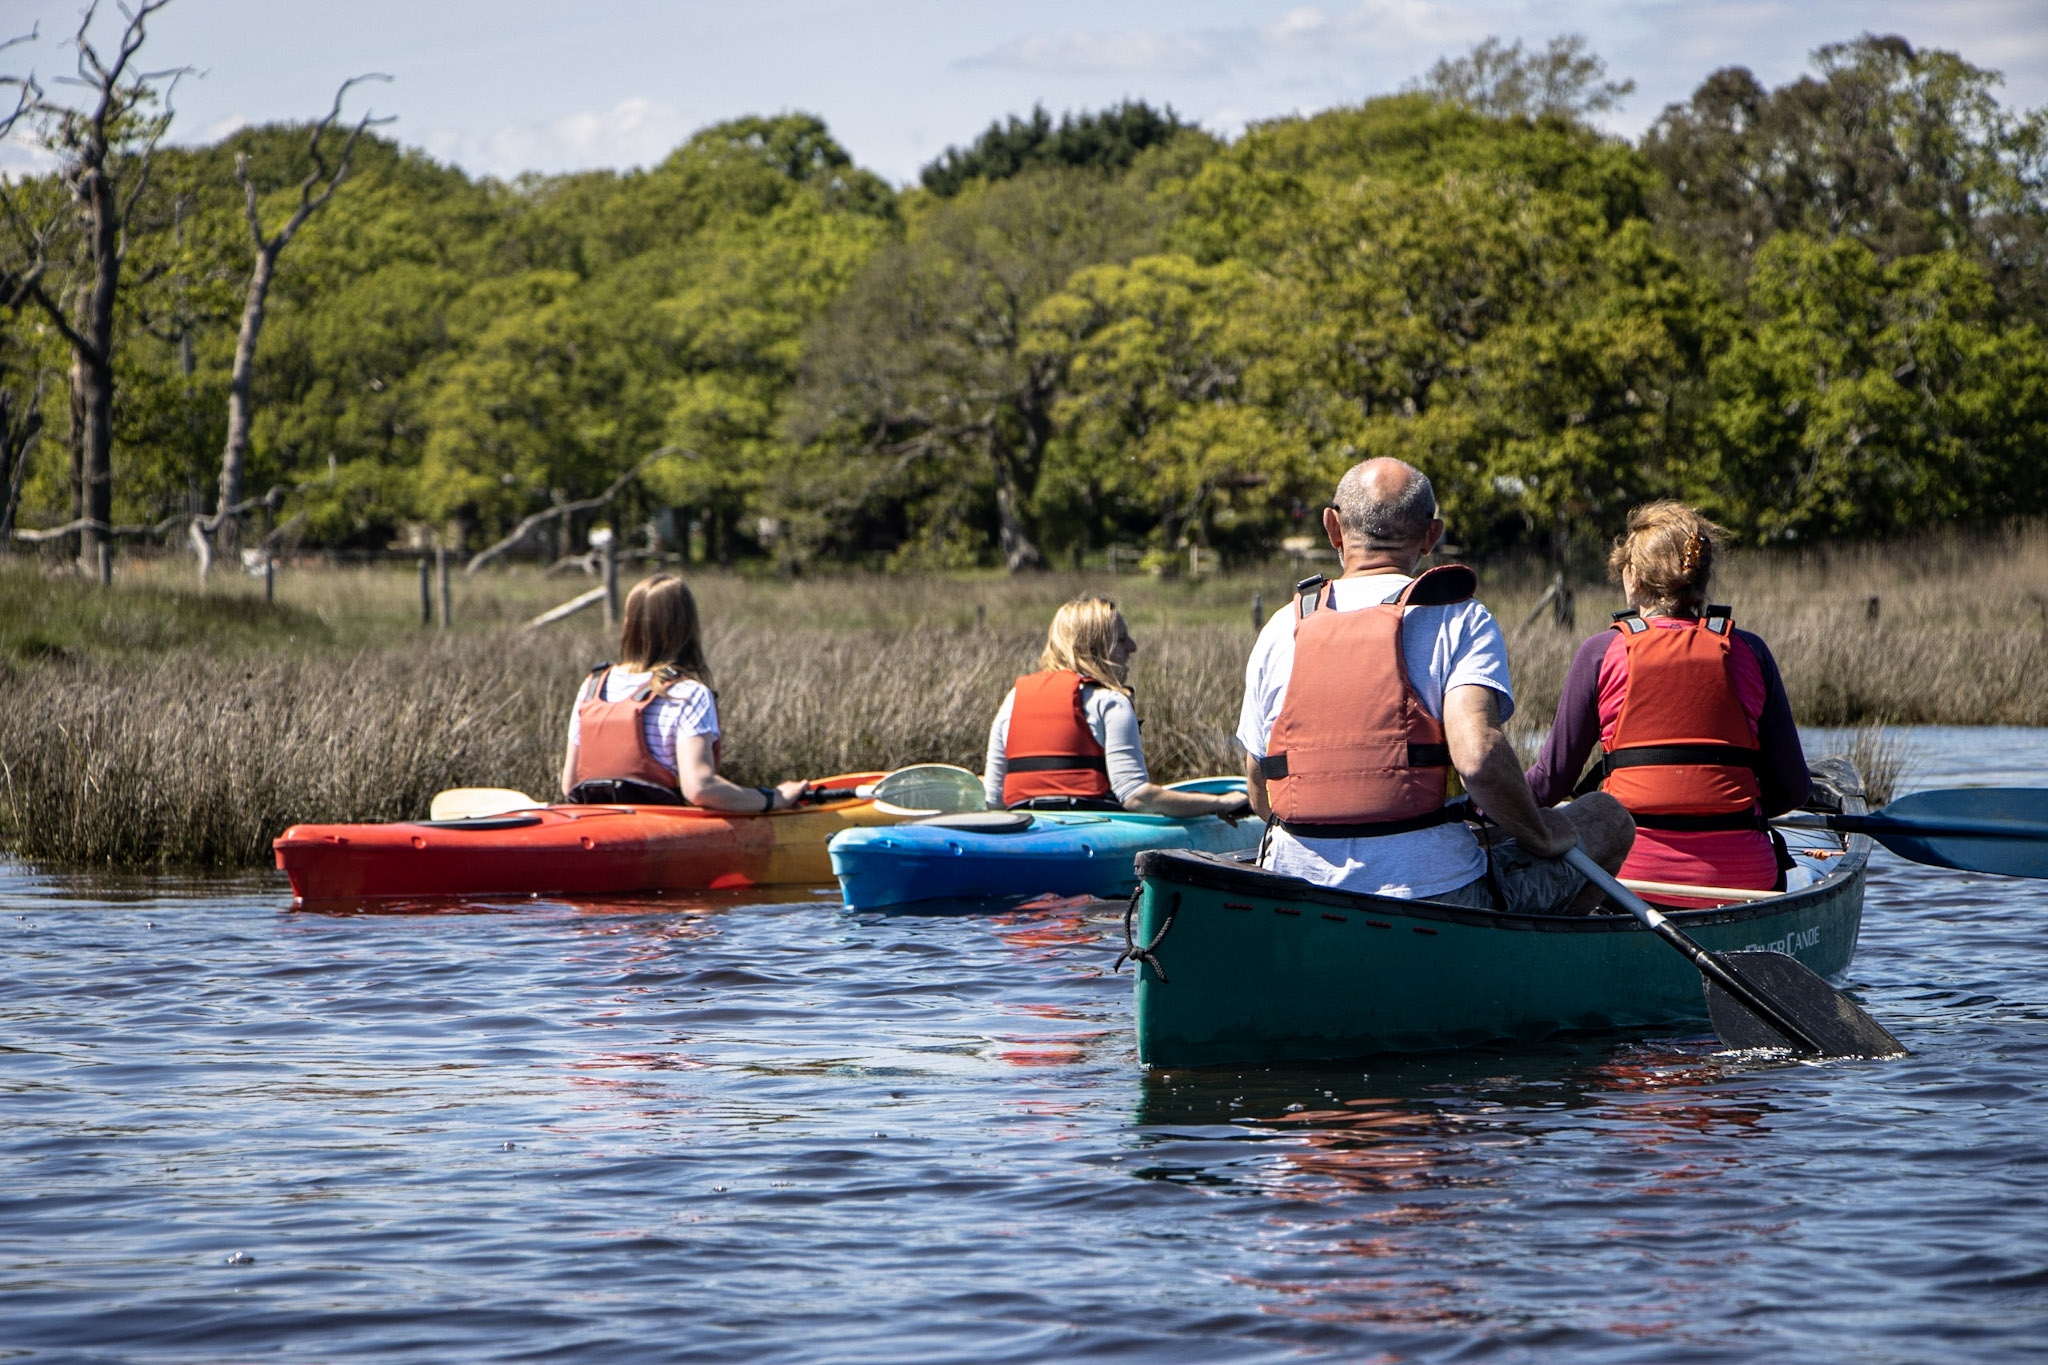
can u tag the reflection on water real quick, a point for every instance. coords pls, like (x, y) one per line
(721, 1128)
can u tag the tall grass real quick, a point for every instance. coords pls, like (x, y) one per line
(154, 727)
(200, 761)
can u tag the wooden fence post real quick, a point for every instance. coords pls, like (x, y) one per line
(426, 596)
(441, 573)
(611, 582)
(1258, 610)
(269, 581)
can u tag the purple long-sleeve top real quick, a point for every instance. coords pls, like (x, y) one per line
(1783, 777)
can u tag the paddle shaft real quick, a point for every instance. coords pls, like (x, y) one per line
(1710, 966)
(1880, 825)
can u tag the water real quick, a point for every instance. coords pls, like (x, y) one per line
(727, 1131)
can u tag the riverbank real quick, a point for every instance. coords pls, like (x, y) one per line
(154, 726)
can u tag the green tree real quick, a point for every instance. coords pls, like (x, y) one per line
(922, 371)
(1243, 202)
(1110, 140)
(1155, 424)
(1905, 150)
(1869, 398)
(1565, 80)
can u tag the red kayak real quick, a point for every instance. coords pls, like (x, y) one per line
(573, 850)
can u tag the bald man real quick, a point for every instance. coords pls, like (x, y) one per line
(1351, 775)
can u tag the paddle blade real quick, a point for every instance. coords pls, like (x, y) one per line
(2012, 843)
(931, 789)
(467, 803)
(1830, 1018)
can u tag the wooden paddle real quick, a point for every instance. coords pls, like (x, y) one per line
(1759, 999)
(922, 789)
(2001, 830)
(470, 803)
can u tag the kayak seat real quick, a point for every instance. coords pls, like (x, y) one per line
(982, 821)
(482, 822)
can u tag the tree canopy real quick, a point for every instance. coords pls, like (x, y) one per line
(1815, 311)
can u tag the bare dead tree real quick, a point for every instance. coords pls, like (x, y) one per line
(314, 192)
(525, 529)
(104, 149)
(21, 422)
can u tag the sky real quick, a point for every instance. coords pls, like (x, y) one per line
(509, 86)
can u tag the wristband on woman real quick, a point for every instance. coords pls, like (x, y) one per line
(767, 795)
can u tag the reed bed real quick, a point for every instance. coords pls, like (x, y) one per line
(155, 727)
(201, 761)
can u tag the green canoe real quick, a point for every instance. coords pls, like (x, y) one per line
(1247, 966)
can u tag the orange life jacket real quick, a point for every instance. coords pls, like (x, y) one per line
(612, 744)
(1684, 754)
(1353, 753)
(1050, 750)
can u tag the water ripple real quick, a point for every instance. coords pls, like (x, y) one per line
(730, 1130)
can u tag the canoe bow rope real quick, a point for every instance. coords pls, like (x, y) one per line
(1132, 952)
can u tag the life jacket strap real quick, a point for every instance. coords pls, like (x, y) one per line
(1055, 763)
(1673, 755)
(1751, 819)
(1308, 595)
(1630, 620)
(1373, 829)
(1274, 766)
(623, 791)
(1066, 803)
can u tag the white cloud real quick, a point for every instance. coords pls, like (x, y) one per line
(1087, 52)
(220, 128)
(20, 160)
(1364, 35)
(635, 132)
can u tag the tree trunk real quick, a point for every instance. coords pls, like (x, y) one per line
(76, 380)
(94, 365)
(234, 456)
(18, 432)
(1013, 534)
(97, 474)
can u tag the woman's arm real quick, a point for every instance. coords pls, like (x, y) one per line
(569, 767)
(1784, 780)
(995, 764)
(1124, 756)
(1576, 729)
(697, 777)
(1152, 799)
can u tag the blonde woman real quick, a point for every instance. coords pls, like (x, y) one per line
(645, 730)
(1066, 737)
(1691, 716)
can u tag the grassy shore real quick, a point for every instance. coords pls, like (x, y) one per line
(154, 726)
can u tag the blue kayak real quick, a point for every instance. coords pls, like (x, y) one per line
(987, 855)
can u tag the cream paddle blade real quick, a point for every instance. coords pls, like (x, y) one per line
(468, 803)
(930, 789)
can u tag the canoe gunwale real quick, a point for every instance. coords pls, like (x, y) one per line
(1216, 872)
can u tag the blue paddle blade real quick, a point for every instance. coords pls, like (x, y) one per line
(2001, 830)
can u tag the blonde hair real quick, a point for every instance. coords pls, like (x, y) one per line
(1669, 549)
(1082, 634)
(660, 634)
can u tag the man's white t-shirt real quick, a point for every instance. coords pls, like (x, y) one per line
(1111, 718)
(688, 709)
(1444, 647)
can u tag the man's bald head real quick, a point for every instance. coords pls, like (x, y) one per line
(1385, 504)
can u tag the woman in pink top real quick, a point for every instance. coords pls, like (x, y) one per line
(1690, 713)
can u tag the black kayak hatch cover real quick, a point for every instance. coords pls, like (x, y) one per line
(982, 821)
